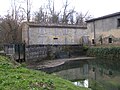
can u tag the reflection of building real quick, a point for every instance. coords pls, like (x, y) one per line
(105, 30)
(74, 74)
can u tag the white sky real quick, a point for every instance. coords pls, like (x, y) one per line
(96, 8)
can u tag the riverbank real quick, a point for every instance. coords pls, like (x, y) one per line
(15, 77)
(110, 52)
(54, 63)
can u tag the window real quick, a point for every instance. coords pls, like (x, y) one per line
(118, 22)
(55, 38)
(110, 40)
(93, 41)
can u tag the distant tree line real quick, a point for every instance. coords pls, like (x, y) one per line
(64, 16)
(10, 24)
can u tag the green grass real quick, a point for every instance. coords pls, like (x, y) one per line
(15, 77)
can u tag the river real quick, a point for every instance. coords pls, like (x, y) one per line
(96, 74)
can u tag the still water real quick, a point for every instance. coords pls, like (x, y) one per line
(97, 74)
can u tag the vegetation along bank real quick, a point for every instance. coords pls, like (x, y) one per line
(104, 52)
(15, 77)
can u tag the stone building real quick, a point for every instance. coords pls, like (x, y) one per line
(51, 40)
(105, 29)
(34, 34)
(102, 30)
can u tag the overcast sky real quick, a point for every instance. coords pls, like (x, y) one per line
(96, 8)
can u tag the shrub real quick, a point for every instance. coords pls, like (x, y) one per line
(104, 52)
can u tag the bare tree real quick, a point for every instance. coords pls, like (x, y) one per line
(10, 24)
(54, 16)
(41, 16)
(71, 19)
(66, 14)
(28, 10)
(47, 15)
(81, 18)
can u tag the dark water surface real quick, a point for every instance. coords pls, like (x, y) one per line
(97, 74)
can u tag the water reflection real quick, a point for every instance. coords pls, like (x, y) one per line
(97, 74)
(74, 73)
(104, 74)
(82, 83)
(78, 74)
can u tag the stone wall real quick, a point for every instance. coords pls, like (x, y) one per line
(41, 52)
(103, 25)
(36, 52)
(29, 53)
(55, 36)
(104, 29)
(52, 34)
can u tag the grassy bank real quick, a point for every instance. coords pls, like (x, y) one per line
(15, 77)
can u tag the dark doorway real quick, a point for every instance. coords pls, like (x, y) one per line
(93, 41)
(110, 40)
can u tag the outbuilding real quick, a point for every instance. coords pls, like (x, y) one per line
(105, 29)
(33, 34)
